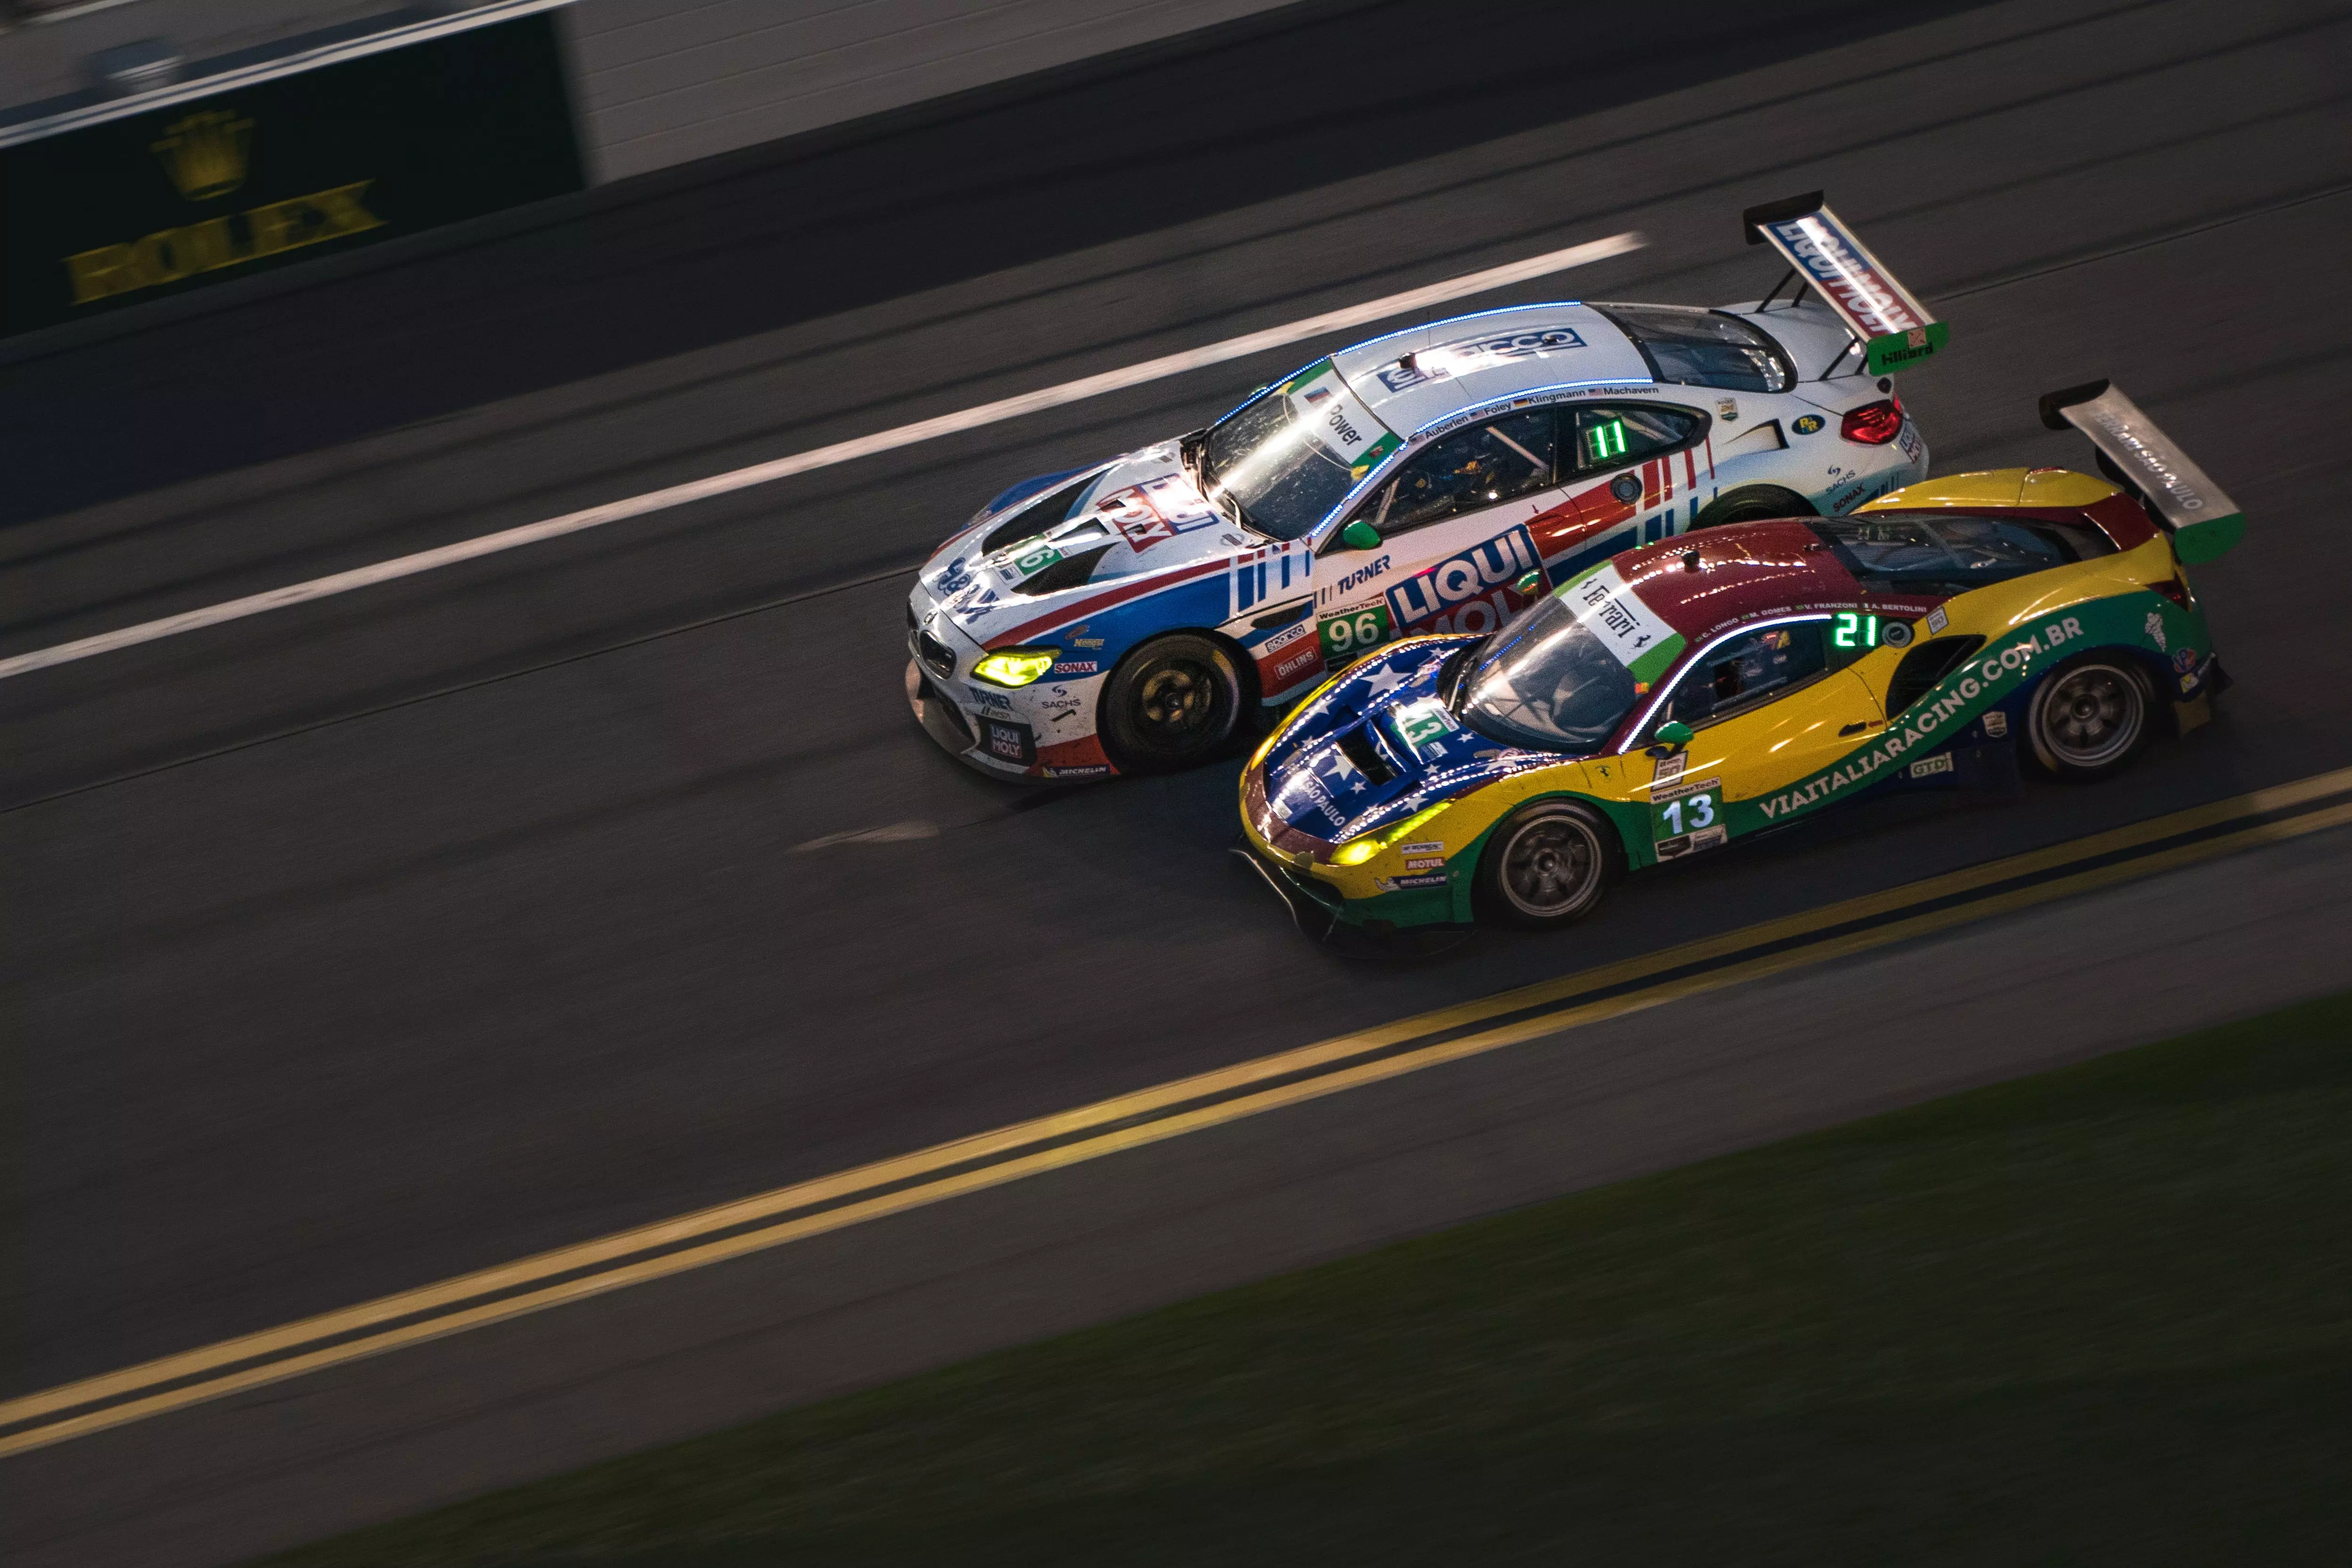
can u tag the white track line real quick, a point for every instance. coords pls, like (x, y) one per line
(824, 457)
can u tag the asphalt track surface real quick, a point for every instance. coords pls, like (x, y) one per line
(408, 932)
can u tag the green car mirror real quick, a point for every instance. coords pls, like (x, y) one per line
(1360, 535)
(1675, 734)
(1530, 585)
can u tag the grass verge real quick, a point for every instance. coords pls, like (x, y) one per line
(2102, 1315)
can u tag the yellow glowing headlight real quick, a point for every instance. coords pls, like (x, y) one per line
(1015, 665)
(1356, 851)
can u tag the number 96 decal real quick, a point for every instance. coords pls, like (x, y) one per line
(1690, 820)
(1344, 636)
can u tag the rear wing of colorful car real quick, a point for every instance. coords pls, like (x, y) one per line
(2203, 521)
(1886, 318)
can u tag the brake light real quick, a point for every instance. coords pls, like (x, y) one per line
(1873, 423)
(2177, 589)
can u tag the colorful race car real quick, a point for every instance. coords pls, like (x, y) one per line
(1691, 692)
(1129, 615)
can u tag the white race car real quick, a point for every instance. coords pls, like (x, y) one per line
(1129, 615)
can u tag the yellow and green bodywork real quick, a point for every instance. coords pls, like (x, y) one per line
(1826, 741)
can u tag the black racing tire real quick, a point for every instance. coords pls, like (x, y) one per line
(2090, 717)
(1548, 865)
(1752, 503)
(1170, 703)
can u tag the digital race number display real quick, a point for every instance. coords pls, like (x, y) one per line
(1852, 630)
(1605, 440)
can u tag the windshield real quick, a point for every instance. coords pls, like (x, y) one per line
(1549, 682)
(1292, 454)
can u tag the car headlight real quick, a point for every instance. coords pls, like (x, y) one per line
(1015, 665)
(1356, 851)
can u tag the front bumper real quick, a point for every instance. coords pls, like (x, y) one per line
(1324, 899)
(997, 748)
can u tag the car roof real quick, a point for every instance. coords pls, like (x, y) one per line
(1470, 361)
(1743, 570)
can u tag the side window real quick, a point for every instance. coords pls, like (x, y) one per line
(1745, 670)
(1468, 469)
(1702, 348)
(1991, 544)
(1615, 435)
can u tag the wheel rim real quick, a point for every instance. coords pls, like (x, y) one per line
(2091, 716)
(1176, 704)
(1552, 866)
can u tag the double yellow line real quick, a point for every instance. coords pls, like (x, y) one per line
(1167, 1111)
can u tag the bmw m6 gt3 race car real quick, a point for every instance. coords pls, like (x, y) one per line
(1693, 692)
(1127, 616)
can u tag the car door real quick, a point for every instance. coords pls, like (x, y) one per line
(1454, 545)
(1768, 705)
(1631, 475)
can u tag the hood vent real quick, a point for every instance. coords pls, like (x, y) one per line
(1923, 668)
(1069, 571)
(1049, 510)
(1358, 747)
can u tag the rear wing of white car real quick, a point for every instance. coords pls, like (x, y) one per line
(2203, 520)
(1886, 318)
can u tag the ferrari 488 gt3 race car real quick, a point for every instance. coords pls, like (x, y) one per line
(1129, 614)
(1694, 691)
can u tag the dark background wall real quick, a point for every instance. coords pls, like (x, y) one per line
(849, 215)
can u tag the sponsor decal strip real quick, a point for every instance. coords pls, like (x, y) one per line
(1412, 299)
(1111, 599)
(1990, 674)
(785, 1215)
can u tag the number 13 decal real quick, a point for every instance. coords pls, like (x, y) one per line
(1700, 809)
(1691, 820)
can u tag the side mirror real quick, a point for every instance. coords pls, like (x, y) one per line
(1360, 535)
(1673, 734)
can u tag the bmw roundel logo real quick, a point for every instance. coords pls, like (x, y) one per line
(1808, 424)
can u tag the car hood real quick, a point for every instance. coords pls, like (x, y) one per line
(1139, 516)
(1377, 745)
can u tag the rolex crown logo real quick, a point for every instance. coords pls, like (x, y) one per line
(205, 153)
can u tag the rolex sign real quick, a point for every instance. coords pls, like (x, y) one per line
(204, 189)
